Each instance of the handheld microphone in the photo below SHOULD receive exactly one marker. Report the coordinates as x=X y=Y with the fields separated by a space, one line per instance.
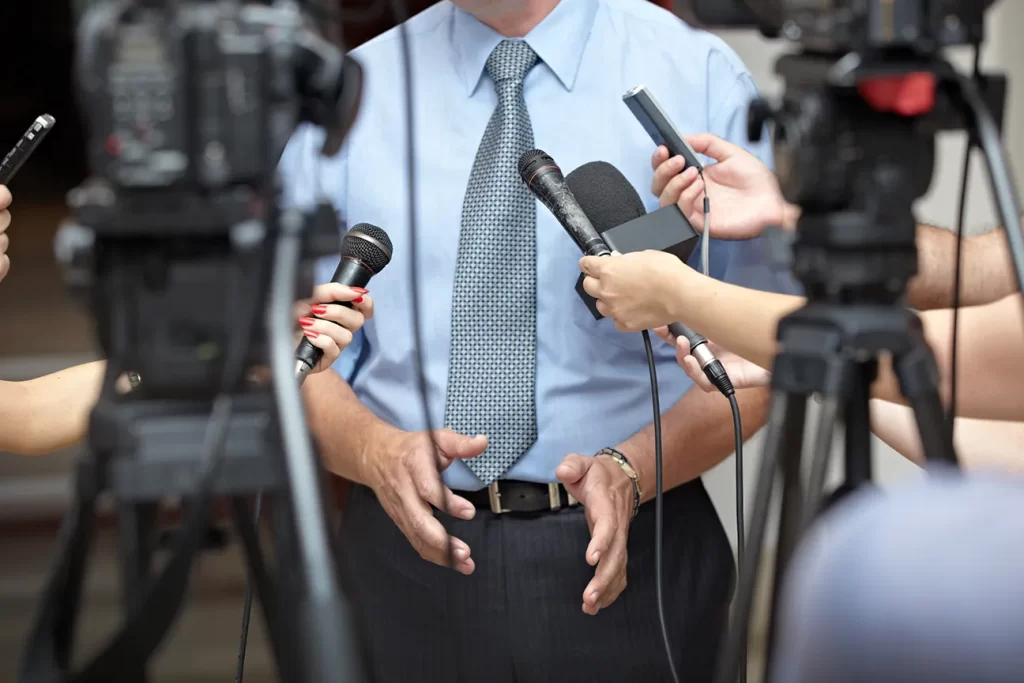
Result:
x=609 y=199
x=365 y=251
x=544 y=178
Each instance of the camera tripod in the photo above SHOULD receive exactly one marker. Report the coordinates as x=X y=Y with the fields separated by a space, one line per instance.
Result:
x=855 y=160
x=196 y=427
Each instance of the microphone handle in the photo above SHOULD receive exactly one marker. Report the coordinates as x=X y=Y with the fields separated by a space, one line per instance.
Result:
x=561 y=202
x=712 y=367
x=351 y=273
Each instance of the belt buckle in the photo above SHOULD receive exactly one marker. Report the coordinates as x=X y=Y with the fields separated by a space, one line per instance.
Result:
x=555 y=498
x=494 y=498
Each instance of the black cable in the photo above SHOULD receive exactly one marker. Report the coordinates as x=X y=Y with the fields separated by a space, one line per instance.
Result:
x=659 y=521
x=740 y=491
x=957 y=277
x=247 y=609
x=401 y=16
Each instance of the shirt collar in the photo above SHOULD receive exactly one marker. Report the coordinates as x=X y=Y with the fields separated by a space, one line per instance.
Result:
x=559 y=41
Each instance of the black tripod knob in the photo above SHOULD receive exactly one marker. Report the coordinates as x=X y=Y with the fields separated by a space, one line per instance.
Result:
x=760 y=112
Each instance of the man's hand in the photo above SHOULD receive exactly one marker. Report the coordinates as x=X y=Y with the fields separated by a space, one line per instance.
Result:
x=5 y=220
x=606 y=493
x=742 y=373
x=637 y=290
x=406 y=478
x=745 y=193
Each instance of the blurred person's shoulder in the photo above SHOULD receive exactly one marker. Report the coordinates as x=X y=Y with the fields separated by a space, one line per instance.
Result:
x=667 y=38
x=421 y=29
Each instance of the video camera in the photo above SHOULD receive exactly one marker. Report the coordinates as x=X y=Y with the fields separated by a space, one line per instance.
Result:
x=179 y=245
x=924 y=26
x=865 y=96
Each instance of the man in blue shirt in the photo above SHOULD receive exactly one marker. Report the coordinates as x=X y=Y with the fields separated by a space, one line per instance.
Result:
x=547 y=411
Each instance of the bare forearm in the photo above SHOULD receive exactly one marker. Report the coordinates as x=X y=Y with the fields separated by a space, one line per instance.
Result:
x=740 y=319
x=345 y=429
x=980 y=444
x=697 y=434
x=986 y=270
x=50 y=412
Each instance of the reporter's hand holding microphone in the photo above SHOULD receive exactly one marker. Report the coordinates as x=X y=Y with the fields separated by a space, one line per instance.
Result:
x=746 y=194
x=5 y=221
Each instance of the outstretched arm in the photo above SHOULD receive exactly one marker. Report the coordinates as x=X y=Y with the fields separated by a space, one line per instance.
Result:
x=50 y=412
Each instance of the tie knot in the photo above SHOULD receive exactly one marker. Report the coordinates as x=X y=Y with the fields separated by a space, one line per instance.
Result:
x=511 y=60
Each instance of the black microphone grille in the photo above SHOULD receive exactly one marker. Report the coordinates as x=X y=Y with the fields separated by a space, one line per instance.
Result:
x=605 y=195
x=368 y=244
x=533 y=160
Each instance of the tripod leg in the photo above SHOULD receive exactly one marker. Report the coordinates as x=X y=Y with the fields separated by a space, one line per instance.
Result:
x=821 y=445
x=858 y=426
x=136 y=531
x=918 y=375
x=789 y=446
x=733 y=655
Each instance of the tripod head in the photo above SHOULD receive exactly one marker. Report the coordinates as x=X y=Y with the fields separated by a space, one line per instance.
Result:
x=855 y=149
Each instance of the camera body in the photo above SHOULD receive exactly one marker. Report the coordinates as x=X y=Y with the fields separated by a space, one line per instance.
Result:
x=924 y=26
x=189 y=106
x=198 y=96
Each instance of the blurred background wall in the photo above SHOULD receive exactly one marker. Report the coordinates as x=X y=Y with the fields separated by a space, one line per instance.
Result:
x=43 y=330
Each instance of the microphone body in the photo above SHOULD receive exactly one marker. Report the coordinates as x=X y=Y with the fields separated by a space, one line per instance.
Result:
x=545 y=180
x=365 y=250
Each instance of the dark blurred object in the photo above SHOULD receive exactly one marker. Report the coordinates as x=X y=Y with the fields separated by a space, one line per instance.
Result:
x=925 y=26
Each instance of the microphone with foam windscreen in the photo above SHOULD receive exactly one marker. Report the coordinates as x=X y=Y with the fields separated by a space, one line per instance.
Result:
x=544 y=178
x=365 y=251
x=608 y=199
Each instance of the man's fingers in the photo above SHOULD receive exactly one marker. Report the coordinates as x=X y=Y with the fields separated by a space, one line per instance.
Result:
x=431 y=488
x=600 y=538
x=664 y=335
x=690 y=201
x=591 y=265
x=5 y=265
x=572 y=468
x=677 y=186
x=454 y=445
x=711 y=146
x=5 y=220
x=693 y=370
x=5 y=196
x=592 y=286
x=428 y=535
x=659 y=157
x=609 y=579
x=664 y=173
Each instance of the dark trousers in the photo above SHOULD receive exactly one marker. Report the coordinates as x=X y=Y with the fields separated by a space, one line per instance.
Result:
x=519 y=617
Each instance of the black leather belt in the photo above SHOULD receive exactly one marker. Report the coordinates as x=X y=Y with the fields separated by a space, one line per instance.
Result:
x=519 y=496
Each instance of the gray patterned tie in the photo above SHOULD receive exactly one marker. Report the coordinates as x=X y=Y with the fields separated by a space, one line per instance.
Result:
x=492 y=367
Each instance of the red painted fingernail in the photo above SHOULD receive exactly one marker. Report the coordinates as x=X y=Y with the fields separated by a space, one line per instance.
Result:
x=359 y=289
x=311 y=334
x=357 y=301
x=306 y=322
x=319 y=309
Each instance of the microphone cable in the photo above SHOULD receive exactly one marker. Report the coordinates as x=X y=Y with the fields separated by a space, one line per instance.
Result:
x=957 y=277
x=400 y=12
x=725 y=386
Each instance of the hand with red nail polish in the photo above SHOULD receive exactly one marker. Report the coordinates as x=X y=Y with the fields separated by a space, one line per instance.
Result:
x=331 y=317
x=5 y=220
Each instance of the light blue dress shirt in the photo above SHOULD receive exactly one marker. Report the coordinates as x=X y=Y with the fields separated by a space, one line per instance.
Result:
x=592 y=384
